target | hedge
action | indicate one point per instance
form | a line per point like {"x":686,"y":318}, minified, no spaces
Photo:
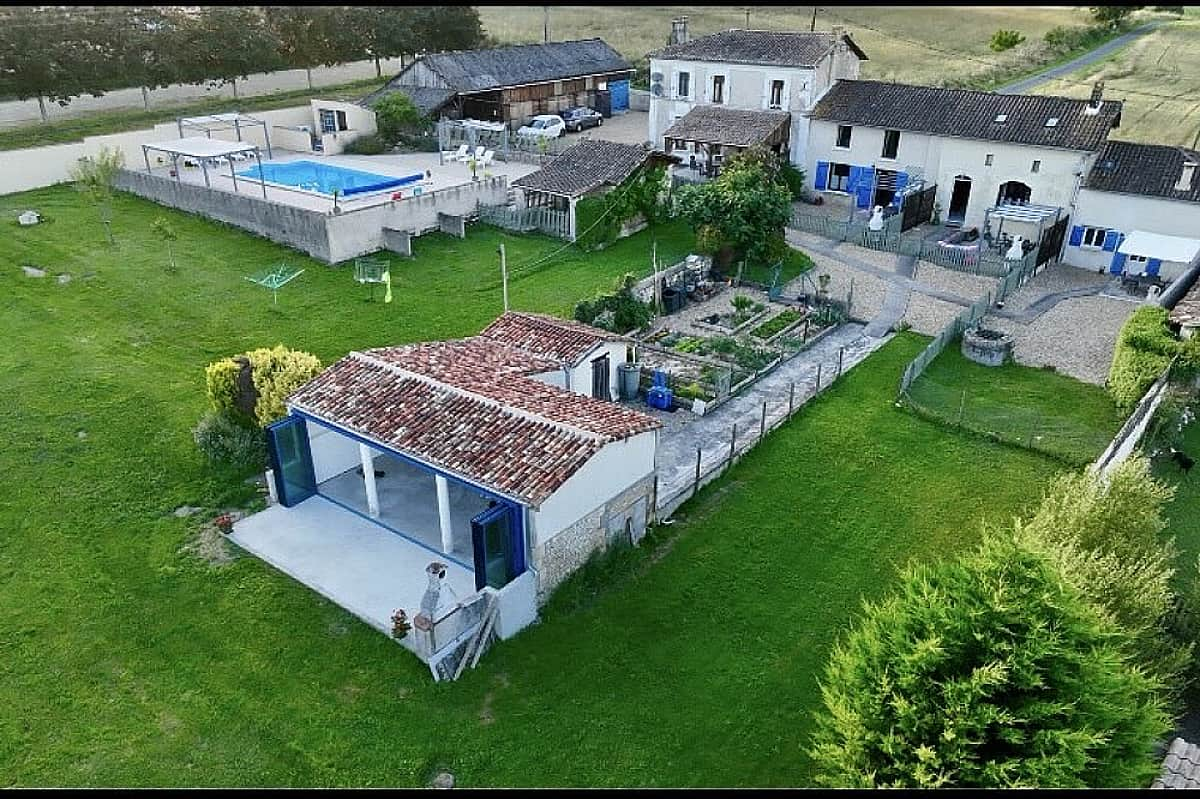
{"x":1144,"y":349}
{"x":274,"y":374}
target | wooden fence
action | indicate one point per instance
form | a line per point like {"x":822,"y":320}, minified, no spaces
{"x":526,"y":220}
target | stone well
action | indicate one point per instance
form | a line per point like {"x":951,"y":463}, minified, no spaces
{"x":988,"y":347}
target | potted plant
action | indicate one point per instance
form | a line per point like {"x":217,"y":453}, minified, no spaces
{"x":471,"y":162}
{"x":400,"y":624}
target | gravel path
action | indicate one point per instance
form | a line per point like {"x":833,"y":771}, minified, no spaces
{"x":928,"y":315}
{"x":1076,"y":336}
{"x":1052,"y":280}
{"x":869,"y":290}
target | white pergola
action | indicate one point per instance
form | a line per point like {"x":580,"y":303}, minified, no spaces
{"x":230,"y":121}
{"x":204,"y":150}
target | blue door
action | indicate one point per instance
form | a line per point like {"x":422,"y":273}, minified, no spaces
{"x":499,"y":546}
{"x":862,"y":185}
{"x":291,"y":460}
{"x":620,"y":95}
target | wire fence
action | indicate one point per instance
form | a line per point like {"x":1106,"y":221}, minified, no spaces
{"x":1060,"y":433}
{"x":1020,"y":274}
{"x":672,"y":490}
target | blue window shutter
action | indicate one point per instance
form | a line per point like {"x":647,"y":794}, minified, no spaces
{"x":855,"y":177}
{"x":1076,"y":236}
{"x":866,"y":187}
{"x":1152,"y":266}
{"x":1111,"y":240}
{"x":901,"y":182}
{"x":821,"y":178}
{"x":1118,"y":263}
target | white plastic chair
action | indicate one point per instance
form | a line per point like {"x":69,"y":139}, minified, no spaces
{"x":486,"y":158}
{"x":479,"y":150}
{"x":456,"y":155}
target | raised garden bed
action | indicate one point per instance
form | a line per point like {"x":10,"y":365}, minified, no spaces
{"x":778,"y":324}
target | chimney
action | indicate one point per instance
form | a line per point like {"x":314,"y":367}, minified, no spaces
{"x":839,"y":38}
{"x":1097,"y":94}
{"x":679,"y":31}
{"x":1186,"y":175}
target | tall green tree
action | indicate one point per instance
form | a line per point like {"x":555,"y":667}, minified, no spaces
{"x":1112,"y":15}
{"x":383,"y":31}
{"x":311,"y":36}
{"x":52,"y":53}
{"x":448,"y":27}
{"x":1108,"y":538}
{"x":988,"y":671}
{"x":224,"y":43}
{"x":743,"y":211}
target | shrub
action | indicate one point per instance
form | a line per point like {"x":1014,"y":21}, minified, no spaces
{"x":1144,"y":348}
{"x":395,"y":115}
{"x":1106,"y":538}
{"x":986,"y":671}
{"x":794,"y":179}
{"x":599,"y":219}
{"x":1076,"y":37}
{"x":228,"y":440}
{"x":252,"y":387}
{"x":371,"y":144}
{"x":1005,"y":40}
{"x":618,"y":310}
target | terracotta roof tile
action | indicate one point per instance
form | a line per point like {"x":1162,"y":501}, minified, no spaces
{"x":1181,"y":767}
{"x":718,"y":124}
{"x":546,"y":336}
{"x":471,"y":408}
{"x":775,"y":48}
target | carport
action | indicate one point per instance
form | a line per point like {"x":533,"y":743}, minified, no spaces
{"x":205,"y":151}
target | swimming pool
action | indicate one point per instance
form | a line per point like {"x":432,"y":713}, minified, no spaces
{"x":324,"y":178}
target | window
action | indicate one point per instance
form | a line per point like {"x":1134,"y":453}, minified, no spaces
{"x":684,"y":87}
{"x":776,"y":94}
{"x":839,"y":177}
{"x":987,"y":160}
{"x":1135,"y":259}
{"x":718,"y":92}
{"x":843,"y":136}
{"x":891,"y":143}
{"x":1037,"y":166}
{"x":328,"y":121}
{"x":341,"y":121}
{"x":1093,"y":237}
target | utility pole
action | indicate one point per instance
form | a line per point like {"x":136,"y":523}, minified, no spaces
{"x":504,"y":275}
{"x":813,"y":25}
{"x":747,"y":16}
{"x":545,"y":23}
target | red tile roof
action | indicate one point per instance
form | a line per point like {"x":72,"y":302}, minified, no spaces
{"x":469,"y":407}
{"x":546,"y":336}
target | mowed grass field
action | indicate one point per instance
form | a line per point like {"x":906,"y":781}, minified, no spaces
{"x":125,"y":660}
{"x":897,"y":39}
{"x":1158,"y":78}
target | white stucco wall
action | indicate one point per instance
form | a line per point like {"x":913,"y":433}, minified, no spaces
{"x":1126,"y":213}
{"x":332,"y":452}
{"x":35,"y":167}
{"x":581,"y":373}
{"x":942,"y":158}
{"x":360,"y":121}
{"x":610,"y":471}
{"x":746,"y":86}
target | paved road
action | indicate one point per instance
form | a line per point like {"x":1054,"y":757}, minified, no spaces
{"x":1087,"y":59}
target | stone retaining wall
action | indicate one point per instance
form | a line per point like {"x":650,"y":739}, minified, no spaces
{"x":560,"y":556}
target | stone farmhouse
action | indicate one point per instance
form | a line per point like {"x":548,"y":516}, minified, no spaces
{"x":752,"y":86}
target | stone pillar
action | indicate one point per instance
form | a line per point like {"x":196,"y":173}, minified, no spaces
{"x":443,"y":500}
{"x":368,"y":467}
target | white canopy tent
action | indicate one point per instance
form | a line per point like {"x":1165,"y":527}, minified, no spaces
{"x":232,"y":120}
{"x":204,"y":150}
{"x":1156,"y":245}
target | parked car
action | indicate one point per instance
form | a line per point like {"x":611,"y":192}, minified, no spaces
{"x":578,"y":117}
{"x":544,"y":126}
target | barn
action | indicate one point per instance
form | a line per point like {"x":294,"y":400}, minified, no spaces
{"x":510,"y":84}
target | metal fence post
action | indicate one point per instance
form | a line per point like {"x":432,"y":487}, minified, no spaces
{"x":805,"y":339}
{"x":819,"y":376}
{"x":791,"y":397}
{"x":841,"y":352}
{"x":762,"y":425}
{"x":732,"y":442}
{"x":696,"y":485}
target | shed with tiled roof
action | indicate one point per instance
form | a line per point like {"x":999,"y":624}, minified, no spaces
{"x":588,"y":166}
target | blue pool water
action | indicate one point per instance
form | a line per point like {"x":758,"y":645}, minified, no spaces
{"x":324,"y":178}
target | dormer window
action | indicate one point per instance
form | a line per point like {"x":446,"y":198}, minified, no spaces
{"x":1052,"y":122}
{"x":1001,"y":119}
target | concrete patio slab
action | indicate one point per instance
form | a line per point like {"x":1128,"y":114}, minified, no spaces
{"x":350,"y":560}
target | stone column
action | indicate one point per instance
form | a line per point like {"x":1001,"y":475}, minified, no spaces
{"x":443,"y":500}
{"x":368,"y":467}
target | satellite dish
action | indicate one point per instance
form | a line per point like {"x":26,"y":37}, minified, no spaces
{"x":656,"y":89}
{"x":656,"y":76}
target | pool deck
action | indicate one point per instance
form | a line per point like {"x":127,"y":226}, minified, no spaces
{"x":391,"y":165}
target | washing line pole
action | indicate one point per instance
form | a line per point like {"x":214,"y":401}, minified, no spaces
{"x":504,"y":275}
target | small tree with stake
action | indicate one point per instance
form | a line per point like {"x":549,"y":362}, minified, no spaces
{"x":94,"y":177}
{"x":166,"y":231}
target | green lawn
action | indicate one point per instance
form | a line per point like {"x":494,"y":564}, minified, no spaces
{"x":126,"y":662}
{"x":1052,"y":412}
{"x":98,"y":123}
